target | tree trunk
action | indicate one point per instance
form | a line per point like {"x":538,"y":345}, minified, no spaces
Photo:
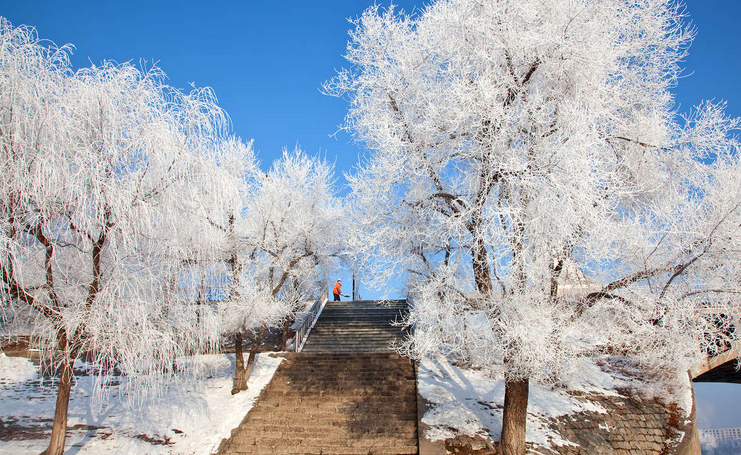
{"x":253,"y":351}
{"x":240,"y":374}
{"x":59,"y":427}
{"x":481,"y":271}
{"x":284,"y":339}
{"x":514,"y":421}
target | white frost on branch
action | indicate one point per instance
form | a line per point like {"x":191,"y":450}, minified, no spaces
{"x":513,"y":140}
{"x":99,"y":171}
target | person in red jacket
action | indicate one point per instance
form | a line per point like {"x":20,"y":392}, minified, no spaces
{"x":337,"y":290}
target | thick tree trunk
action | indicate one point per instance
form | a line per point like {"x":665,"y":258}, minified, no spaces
{"x":240,"y":374}
{"x":514,"y":421}
{"x":253,"y":351}
{"x":59,"y":427}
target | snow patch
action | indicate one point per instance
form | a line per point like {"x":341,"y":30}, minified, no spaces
{"x":192,"y":417}
{"x":468,"y":402}
{"x":16,"y":369}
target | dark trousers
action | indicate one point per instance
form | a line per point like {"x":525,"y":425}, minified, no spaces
{"x":336,"y":297}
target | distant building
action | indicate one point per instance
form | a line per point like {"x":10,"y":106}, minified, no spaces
{"x":727,"y":437}
{"x":574,"y":283}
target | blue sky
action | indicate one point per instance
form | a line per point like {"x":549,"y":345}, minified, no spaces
{"x":266,"y":60}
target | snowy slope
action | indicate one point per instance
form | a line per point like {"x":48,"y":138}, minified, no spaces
{"x":190,"y":418}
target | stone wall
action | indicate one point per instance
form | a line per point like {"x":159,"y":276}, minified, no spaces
{"x":631,"y":426}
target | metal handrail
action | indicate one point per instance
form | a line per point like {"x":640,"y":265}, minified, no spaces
{"x":302,"y":333}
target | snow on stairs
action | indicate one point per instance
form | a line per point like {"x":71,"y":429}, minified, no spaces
{"x":337,"y":398}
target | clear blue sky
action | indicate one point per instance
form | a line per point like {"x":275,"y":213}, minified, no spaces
{"x":266,"y":60}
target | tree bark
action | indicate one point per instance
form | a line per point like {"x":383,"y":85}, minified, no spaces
{"x":514,"y":421}
{"x":253,"y":351}
{"x":284,"y":338}
{"x":480,"y":262}
{"x":59,"y":427}
{"x":240,"y":374}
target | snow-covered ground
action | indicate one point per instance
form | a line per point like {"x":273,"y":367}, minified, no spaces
{"x":468,"y":402}
{"x":193,"y":417}
{"x":190,"y":418}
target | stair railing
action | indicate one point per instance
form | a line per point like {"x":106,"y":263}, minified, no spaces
{"x":302,"y":333}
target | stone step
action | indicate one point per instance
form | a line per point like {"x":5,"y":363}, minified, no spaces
{"x":367,"y":395}
{"x":354,"y":324}
{"x":345,"y":373}
{"x":350,"y":326}
{"x":324,"y":346}
{"x":370,"y":314}
{"x":341,"y":396}
{"x":351,"y":335}
{"x":360,"y":307}
{"x":347,"y":393}
{"x":355,"y":327}
{"x":387,"y":316}
{"x":350,"y":351}
{"x":359,"y":376}
{"x":337,"y":407}
{"x":368,"y":303}
{"x":327,"y":419}
{"x":326,"y":366}
{"x":325,"y":382}
{"x":357,"y":440}
{"x":329,"y":362}
{"x":360,"y":319}
{"x":330,"y":350}
{"x":355,"y":358}
{"x":321,"y":425}
{"x":345,"y":331}
{"x":276,"y":402}
{"x":319,"y":450}
{"x":338,"y":346}
{"x":322,"y":396}
{"x":352,"y":307}
{"x":354,"y":340}
{"x":400,"y":428}
{"x":355,"y":337}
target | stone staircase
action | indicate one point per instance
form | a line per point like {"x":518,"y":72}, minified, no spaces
{"x":357,"y":326}
{"x":347,"y":393}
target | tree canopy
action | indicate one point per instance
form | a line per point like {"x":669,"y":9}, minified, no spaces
{"x":512,"y":141}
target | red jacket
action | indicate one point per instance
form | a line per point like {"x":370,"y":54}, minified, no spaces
{"x":337,"y":289}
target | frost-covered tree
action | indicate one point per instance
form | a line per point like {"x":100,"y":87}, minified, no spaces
{"x":216,"y":271}
{"x":292,"y":237}
{"x":513,"y":140}
{"x":98,"y":168}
